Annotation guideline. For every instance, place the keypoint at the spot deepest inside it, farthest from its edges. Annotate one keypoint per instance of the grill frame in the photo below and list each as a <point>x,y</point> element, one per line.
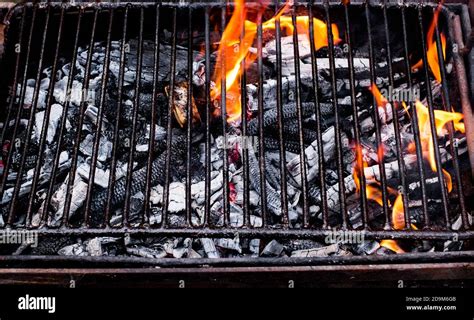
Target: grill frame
<point>208,231</point>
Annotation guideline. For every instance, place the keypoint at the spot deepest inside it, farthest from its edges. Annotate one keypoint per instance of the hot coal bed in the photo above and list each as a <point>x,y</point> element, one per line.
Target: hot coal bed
<point>171,131</point>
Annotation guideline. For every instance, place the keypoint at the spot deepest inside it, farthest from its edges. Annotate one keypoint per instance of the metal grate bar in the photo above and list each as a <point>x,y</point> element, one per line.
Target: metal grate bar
<point>444,195</point>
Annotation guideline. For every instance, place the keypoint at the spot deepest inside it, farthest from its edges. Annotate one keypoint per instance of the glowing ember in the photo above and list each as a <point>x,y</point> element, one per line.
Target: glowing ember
<point>432,52</point>
<point>391,245</point>
<point>233,51</point>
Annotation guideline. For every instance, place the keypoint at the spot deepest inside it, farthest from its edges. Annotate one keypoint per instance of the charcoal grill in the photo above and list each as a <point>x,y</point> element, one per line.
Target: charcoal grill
<point>43,32</point>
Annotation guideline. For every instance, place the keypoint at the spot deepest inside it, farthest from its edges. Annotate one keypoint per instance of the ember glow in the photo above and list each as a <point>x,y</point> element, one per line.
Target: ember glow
<point>391,245</point>
<point>432,51</point>
<point>233,50</point>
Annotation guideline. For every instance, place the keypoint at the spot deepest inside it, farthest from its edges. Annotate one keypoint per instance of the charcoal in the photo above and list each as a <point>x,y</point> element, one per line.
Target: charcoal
<point>270,117</point>
<point>139,177</point>
<point>210,248</point>
<point>55,115</point>
<point>273,249</point>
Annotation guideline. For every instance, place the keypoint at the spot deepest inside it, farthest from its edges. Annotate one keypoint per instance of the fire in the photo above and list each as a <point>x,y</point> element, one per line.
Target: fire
<point>372,188</point>
<point>233,50</point>
<point>432,52</point>
<point>442,118</point>
<point>381,100</point>
<point>391,245</point>
<point>398,214</point>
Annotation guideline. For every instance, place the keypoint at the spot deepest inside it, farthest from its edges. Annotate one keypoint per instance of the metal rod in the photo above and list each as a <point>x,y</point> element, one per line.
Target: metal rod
<point>190,117</point>
<point>62,126</point>
<point>447,107</point>
<point>396,124</point>
<point>416,130</point>
<point>100,119</point>
<point>153,121</point>
<point>224,115</point>
<point>281,136</point>
<point>304,176</point>
<point>439,167</point>
<point>245,150</point>
<point>357,134</point>
<point>77,142</point>
<point>29,129</point>
<point>169,137</point>
<point>136,105</point>
<point>261,134</point>
<point>337,120</point>
<point>208,118</point>
<point>378,135</point>
<point>44,128</point>
<point>113,165</point>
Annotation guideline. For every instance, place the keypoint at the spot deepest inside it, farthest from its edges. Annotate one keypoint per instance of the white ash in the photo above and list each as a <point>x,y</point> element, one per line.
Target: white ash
<point>316,252</point>
<point>177,196</point>
<point>105,147</point>
<point>254,247</point>
<point>229,244</point>
<point>55,115</point>
<point>312,157</point>
<point>93,247</point>
<point>210,248</point>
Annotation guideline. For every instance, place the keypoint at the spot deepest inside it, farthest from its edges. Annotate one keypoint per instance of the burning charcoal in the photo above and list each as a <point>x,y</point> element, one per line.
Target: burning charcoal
<point>180,106</point>
<point>77,249</point>
<point>273,249</point>
<point>273,199</point>
<point>148,62</point>
<point>316,252</point>
<point>139,176</point>
<point>368,247</point>
<point>145,252</point>
<point>79,192</point>
<point>137,202</point>
<point>254,247</point>
<point>270,117</point>
<point>312,157</point>
<point>210,248</point>
<point>29,95</point>
<point>105,147</point>
<point>54,118</point>
<point>177,196</point>
<point>94,246</point>
<point>229,244</point>
<point>198,189</point>
<point>101,177</point>
<point>182,250</point>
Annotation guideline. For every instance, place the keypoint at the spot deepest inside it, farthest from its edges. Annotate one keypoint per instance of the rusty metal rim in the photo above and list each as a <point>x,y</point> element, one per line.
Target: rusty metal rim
<point>75,261</point>
<point>308,276</point>
<point>256,233</point>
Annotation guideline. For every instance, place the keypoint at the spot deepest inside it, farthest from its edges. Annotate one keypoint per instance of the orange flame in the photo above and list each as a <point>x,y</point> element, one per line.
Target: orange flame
<point>372,189</point>
<point>233,50</point>
<point>442,118</point>
<point>432,52</point>
<point>391,245</point>
<point>381,100</point>
<point>398,213</point>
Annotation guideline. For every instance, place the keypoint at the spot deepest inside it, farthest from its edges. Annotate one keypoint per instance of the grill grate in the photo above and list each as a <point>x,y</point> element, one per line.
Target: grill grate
<point>42,25</point>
